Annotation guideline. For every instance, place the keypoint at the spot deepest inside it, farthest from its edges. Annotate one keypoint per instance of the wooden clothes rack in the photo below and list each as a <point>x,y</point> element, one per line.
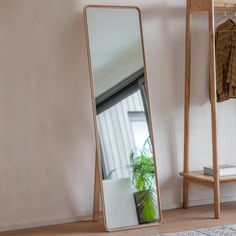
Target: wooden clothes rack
<point>197,177</point>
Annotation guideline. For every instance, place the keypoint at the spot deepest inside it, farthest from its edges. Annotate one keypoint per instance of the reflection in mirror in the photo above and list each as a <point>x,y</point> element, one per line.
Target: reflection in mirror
<point>129,180</point>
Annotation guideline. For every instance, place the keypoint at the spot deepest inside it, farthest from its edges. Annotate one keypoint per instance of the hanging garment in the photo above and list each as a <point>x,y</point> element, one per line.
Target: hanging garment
<point>226,61</point>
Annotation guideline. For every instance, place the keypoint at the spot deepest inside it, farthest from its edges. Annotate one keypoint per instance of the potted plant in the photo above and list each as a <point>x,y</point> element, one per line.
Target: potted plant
<point>143,179</point>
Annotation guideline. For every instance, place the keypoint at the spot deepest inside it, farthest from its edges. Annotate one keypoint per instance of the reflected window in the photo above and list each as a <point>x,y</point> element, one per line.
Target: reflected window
<point>123,118</point>
<point>139,128</point>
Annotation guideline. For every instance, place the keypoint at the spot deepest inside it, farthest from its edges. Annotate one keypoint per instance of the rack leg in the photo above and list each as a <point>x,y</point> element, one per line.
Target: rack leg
<point>186,194</point>
<point>216,201</point>
<point>214,108</point>
<point>187,103</point>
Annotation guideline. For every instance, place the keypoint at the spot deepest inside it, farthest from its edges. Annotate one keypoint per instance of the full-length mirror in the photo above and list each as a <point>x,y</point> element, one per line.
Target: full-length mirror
<point>124,130</point>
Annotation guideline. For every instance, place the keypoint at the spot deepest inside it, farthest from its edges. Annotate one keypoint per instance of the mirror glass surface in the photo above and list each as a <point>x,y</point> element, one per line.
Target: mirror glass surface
<point>129,179</point>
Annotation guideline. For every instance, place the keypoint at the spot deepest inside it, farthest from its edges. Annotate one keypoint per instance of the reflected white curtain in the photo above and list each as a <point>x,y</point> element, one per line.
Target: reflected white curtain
<point>116,136</point>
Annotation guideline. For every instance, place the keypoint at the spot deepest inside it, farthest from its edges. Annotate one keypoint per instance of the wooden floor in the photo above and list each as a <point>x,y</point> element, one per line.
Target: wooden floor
<point>174,220</point>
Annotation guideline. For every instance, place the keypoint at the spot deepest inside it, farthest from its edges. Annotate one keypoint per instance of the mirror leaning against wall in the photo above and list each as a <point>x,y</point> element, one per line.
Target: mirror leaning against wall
<point>130,193</point>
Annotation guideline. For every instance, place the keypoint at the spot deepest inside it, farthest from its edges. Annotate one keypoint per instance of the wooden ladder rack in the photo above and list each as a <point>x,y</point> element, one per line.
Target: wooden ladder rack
<point>197,177</point>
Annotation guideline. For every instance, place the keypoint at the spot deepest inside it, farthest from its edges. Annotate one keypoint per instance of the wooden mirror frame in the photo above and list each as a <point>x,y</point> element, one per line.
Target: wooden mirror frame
<point>98,187</point>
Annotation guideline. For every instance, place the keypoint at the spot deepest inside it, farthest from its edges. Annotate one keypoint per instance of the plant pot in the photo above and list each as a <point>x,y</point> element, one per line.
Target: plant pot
<point>146,207</point>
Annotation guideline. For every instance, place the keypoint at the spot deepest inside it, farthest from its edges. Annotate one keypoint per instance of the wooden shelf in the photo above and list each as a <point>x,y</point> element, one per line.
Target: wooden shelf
<point>198,176</point>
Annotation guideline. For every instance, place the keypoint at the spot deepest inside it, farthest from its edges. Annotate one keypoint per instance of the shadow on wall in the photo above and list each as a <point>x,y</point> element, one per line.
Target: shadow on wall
<point>170,21</point>
<point>168,24</point>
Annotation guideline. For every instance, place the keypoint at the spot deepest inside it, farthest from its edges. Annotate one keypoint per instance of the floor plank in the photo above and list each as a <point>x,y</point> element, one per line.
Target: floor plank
<point>174,220</point>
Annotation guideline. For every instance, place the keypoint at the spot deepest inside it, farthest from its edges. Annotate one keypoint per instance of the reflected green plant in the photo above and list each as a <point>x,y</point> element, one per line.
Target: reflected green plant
<point>143,179</point>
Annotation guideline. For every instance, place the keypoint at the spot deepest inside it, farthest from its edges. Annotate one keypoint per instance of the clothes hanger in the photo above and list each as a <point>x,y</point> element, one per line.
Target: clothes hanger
<point>222,18</point>
<point>233,16</point>
<point>225,14</point>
